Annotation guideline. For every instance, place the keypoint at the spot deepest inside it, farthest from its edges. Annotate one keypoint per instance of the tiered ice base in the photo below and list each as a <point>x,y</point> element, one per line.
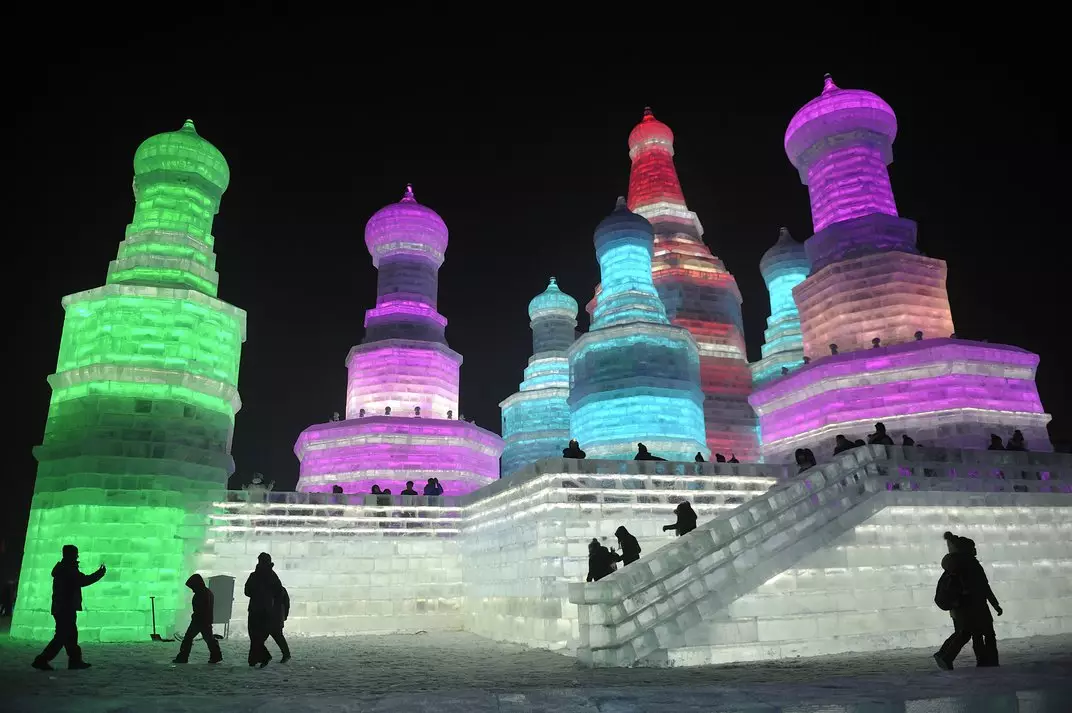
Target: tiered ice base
<point>942,392</point>
<point>704,597</point>
<point>358,453</point>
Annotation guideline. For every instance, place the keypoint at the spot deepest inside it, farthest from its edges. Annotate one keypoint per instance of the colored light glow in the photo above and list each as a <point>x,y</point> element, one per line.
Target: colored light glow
<point>841,142</point>
<point>696,289</point>
<point>138,436</point>
<point>784,266</point>
<point>392,308</point>
<point>634,378</point>
<point>408,228</point>
<point>402,377</point>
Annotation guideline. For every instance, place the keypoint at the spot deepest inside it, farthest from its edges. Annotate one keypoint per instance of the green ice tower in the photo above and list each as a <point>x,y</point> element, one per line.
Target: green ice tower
<point>144,397</point>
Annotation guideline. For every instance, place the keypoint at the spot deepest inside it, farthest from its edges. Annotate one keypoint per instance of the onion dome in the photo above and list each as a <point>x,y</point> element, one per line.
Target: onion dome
<point>183,151</point>
<point>838,111</point>
<point>406,227</point>
<point>623,225</point>
<point>552,301</point>
<point>650,132</point>
<point>786,253</point>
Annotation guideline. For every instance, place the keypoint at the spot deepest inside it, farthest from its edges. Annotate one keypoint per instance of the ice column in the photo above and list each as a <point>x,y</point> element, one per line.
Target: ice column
<point>144,397</point>
<point>783,266</point>
<point>536,419</point>
<point>634,377</point>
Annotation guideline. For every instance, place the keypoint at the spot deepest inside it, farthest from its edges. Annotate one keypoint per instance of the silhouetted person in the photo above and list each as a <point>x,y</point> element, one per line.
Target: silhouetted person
<point>600,561</point>
<point>642,453</point>
<point>972,619</point>
<point>438,486</point>
<point>804,459</point>
<point>200,622</point>
<point>282,612</point>
<point>67,583</point>
<point>995,443</point>
<point>1017,442</point>
<point>699,457</point>
<point>409,488</point>
<point>573,450</point>
<point>907,440</point>
<point>686,519</point>
<point>265,593</point>
<point>430,487</point>
<point>337,489</point>
<point>628,545</point>
<point>810,457</point>
<point>733,459</point>
<point>719,458</point>
<point>842,444</point>
<point>375,490</point>
<point>879,437</point>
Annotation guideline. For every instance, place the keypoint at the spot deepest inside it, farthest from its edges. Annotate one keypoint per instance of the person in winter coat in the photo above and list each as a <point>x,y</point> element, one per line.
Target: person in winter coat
<point>200,622</point>
<point>643,454</point>
<point>971,616</point>
<point>686,519</point>
<point>842,444</point>
<point>600,561</point>
<point>880,437</point>
<point>629,546</point>
<point>67,583</point>
<point>265,593</point>
<point>573,450</point>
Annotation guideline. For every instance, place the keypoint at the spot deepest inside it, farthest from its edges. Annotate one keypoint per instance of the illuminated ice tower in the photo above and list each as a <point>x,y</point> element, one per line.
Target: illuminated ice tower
<point>144,398</point>
<point>536,420</point>
<point>783,266</point>
<point>874,312</point>
<point>634,377</point>
<point>698,291</point>
<point>402,389</point>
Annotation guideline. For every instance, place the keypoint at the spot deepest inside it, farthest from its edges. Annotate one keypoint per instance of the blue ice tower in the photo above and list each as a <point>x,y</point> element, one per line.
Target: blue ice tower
<point>784,266</point>
<point>536,420</point>
<point>634,377</point>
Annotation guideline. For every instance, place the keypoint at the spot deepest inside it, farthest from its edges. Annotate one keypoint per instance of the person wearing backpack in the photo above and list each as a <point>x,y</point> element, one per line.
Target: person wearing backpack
<point>964,591</point>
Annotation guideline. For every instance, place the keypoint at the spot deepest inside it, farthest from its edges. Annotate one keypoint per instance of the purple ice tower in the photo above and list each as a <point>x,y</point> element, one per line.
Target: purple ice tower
<point>402,387</point>
<point>874,311</point>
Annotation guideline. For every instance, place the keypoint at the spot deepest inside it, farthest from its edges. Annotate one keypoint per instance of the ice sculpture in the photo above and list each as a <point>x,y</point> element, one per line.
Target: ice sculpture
<point>144,397</point>
<point>536,419</point>
<point>784,266</point>
<point>699,293</point>
<point>884,305</point>
<point>634,376</point>
<point>402,365</point>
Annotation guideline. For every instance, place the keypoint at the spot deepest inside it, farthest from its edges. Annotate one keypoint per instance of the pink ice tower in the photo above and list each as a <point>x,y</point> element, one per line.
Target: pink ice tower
<point>874,311</point>
<point>402,387</point>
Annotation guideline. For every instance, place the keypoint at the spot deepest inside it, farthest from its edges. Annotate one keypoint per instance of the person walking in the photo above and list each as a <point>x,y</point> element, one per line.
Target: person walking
<point>67,583</point>
<point>282,612</point>
<point>265,594</point>
<point>200,622</point>
<point>628,545</point>
<point>965,593</point>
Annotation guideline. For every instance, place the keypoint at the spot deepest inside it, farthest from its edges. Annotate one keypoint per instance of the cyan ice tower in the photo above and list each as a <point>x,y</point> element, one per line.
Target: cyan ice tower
<point>138,438</point>
<point>783,266</point>
<point>536,420</point>
<point>402,386</point>
<point>634,377</point>
<point>884,304</point>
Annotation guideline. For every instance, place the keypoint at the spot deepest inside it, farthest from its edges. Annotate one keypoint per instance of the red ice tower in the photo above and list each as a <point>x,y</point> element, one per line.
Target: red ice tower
<point>699,292</point>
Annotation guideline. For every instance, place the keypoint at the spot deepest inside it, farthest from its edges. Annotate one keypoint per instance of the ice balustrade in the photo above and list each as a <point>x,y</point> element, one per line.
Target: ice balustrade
<point>655,605</point>
<point>496,561</point>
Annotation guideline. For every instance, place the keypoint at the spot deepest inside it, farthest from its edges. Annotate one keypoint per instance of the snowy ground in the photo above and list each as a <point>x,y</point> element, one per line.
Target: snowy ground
<point>446,672</point>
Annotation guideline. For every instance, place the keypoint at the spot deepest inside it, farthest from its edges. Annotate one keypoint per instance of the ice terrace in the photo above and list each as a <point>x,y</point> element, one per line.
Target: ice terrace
<point>842,558</point>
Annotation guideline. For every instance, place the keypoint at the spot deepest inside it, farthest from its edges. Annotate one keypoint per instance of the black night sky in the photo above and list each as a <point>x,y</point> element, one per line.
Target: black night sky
<point>519,143</point>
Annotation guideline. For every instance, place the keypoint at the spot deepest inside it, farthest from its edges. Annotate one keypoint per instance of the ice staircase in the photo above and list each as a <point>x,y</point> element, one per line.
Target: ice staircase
<point>745,585</point>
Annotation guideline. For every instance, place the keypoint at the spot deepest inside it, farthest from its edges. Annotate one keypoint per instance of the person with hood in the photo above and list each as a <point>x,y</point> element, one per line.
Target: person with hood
<point>970,593</point>
<point>265,593</point>
<point>628,545</point>
<point>643,454</point>
<point>686,519</point>
<point>200,622</point>
<point>67,583</point>
<point>842,444</point>
<point>880,437</point>
<point>1017,442</point>
<point>600,561</point>
<point>573,450</point>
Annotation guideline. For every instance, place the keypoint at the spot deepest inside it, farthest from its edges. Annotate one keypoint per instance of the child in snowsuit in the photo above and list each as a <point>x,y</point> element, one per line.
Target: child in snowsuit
<point>200,623</point>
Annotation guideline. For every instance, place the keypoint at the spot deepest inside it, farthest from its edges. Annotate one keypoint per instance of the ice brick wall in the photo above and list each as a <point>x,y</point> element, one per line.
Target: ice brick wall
<point>667,600</point>
<point>350,565</point>
<point>525,538</point>
<point>872,588</point>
